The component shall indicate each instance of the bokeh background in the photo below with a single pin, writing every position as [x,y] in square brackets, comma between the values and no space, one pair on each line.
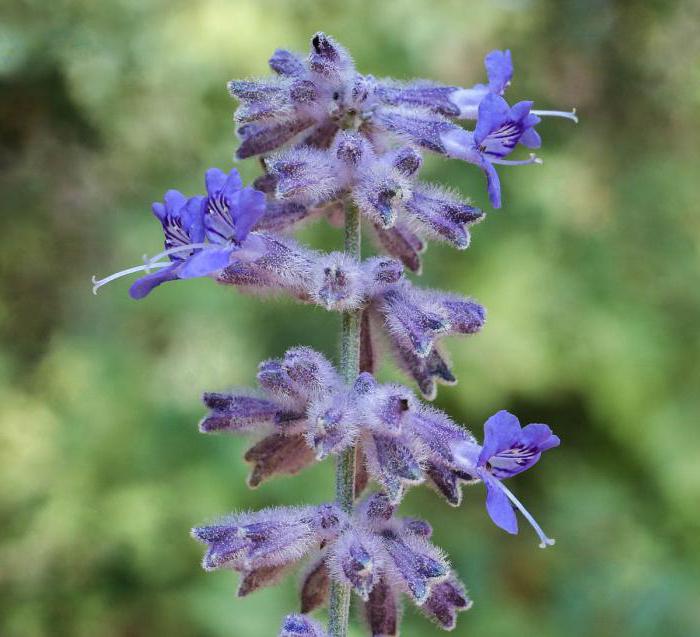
[590,274]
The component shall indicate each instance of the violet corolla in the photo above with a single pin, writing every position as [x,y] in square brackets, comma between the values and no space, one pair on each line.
[507,451]
[202,233]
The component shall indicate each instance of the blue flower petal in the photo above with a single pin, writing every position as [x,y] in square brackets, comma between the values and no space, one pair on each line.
[206,262]
[247,206]
[193,218]
[499,70]
[143,286]
[499,507]
[232,184]
[501,431]
[214,180]
[174,201]
[493,182]
[493,113]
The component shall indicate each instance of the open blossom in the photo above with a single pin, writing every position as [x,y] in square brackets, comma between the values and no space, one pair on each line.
[202,233]
[402,441]
[508,450]
[499,129]
[211,236]
[499,70]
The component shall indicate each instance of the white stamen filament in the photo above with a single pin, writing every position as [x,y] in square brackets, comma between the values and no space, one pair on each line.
[565,114]
[533,159]
[544,540]
[166,253]
[98,283]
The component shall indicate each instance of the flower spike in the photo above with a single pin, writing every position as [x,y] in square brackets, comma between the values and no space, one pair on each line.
[338,144]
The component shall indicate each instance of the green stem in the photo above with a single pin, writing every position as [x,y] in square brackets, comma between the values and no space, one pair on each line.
[339,603]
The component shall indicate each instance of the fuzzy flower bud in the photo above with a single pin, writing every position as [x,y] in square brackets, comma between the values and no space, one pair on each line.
[337,282]
[237,413]
[445,601]
[356,559]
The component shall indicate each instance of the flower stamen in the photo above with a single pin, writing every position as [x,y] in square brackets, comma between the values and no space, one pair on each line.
[176,250]
[532,159]
[544,540]
[98,283]
[565,114]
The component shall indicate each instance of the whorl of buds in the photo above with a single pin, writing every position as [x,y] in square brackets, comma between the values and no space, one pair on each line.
[305,411]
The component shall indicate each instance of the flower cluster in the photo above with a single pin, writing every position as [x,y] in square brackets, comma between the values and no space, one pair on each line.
[304,412]
[311,100]
[331,139]
[380,556]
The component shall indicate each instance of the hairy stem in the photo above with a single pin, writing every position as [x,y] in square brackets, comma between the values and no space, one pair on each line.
[339,605]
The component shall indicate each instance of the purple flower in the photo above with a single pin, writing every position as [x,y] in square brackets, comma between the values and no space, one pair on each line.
[316,104]
[357,559]
[230,213]
[201,233]
[499,128]
[382,186]
[309,101]
[450,101]
[306,413]
[499,70]
[508,450]
[330,424]
[329,137]
[237,413]
[183,227]
[420,94]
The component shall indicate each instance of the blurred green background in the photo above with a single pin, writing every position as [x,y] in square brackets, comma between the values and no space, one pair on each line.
[590,274]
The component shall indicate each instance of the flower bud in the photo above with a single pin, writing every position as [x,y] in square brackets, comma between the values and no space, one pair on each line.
[303,174]
[445,601]
[356,559]
[392,464]
[418,564]
[337,282]
[259,138]
[285,62]
[237,413]
[413,319]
